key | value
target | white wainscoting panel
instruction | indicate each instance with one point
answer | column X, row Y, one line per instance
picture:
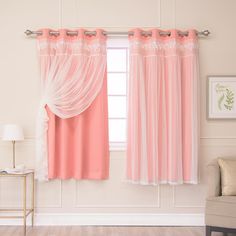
column 49, row 194
column 117, row 13
column 190, row 196
column 115, row 192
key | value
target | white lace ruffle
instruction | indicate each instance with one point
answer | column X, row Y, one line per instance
column 41, row 168
column 72, row 47
column 69, row 86
column 155, row 46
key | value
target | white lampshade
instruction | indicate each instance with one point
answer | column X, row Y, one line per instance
column 12, row 132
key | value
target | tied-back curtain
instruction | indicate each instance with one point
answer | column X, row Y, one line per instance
column 163, row 108
column 72, row 70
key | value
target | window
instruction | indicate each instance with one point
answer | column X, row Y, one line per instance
column 117, row 74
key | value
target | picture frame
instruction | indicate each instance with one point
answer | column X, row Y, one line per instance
column 222, row 97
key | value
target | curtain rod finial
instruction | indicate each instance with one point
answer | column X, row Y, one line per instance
column 206, row 32
column 28, row 32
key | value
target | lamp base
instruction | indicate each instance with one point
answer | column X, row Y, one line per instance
column 13, row 163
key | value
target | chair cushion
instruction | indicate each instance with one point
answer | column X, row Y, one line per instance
column 221, row 211
column 223, row 205
column 228, row 176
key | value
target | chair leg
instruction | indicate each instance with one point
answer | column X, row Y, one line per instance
column 208, row 230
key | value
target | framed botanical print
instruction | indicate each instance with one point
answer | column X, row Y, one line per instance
column 221, row 97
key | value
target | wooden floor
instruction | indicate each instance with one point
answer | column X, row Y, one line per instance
column 102, row 231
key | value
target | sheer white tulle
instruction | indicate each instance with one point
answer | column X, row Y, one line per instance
column 163, row 114
column 72, row 73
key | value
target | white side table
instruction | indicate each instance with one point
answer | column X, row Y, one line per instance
column 25, row 211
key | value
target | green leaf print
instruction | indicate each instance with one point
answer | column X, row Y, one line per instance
column 229, row 102
column 220, row 100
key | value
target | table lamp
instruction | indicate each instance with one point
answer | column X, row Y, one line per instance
column 12, row 132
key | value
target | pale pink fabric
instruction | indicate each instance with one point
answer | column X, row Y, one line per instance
column 73, row 73
column 163, row 108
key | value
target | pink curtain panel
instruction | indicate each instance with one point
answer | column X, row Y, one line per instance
column 72, row 122
column 163, row 108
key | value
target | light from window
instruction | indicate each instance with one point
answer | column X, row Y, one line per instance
column 117, row 71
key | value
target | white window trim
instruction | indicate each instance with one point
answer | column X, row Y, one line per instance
column 117, row 146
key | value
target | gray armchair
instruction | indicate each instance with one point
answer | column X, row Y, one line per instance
column 220, row 212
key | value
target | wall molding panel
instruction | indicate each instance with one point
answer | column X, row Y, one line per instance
column 204, row 141
column 176, row 205
column 154, row 204
column 124, row 6
column 50, row 205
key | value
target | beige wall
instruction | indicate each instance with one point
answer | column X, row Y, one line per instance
column 19, row 97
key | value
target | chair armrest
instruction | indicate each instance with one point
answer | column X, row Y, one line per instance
column 213, row 179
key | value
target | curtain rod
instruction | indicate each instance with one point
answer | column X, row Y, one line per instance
column 118, row 33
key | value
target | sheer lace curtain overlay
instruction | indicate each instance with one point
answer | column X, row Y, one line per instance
column 162, row 143
column 72, row 72
column 163, row 108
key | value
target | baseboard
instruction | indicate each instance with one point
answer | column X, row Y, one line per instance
column 112, row 219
